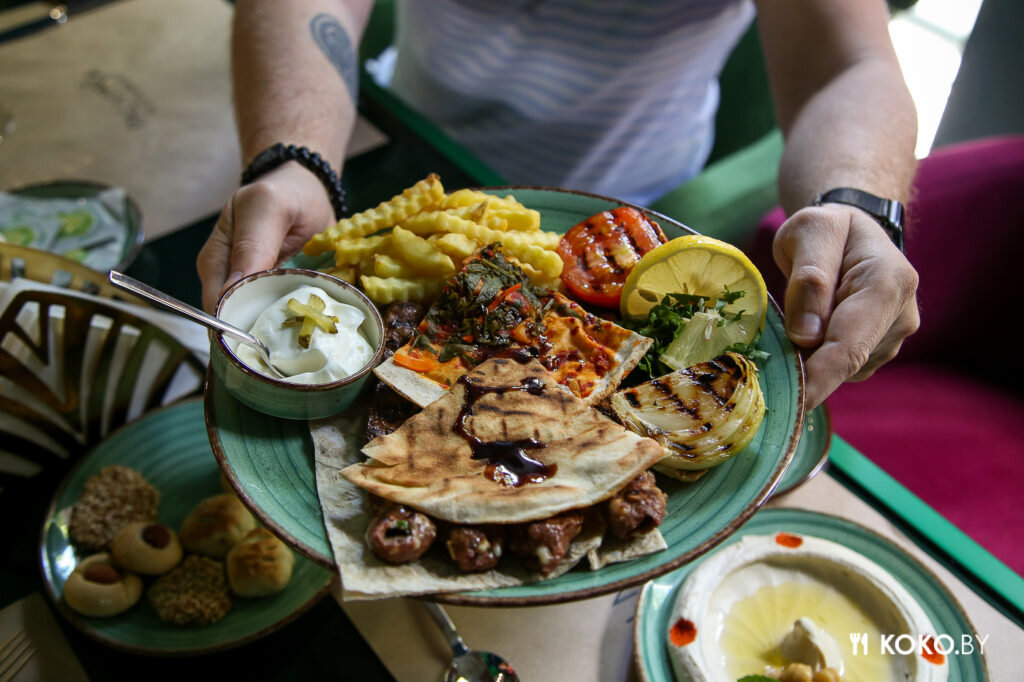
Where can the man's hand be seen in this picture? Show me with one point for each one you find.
(850, 298)
(262, 224)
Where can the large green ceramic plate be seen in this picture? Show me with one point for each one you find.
(170, 449)
(654, 608)
(270, 461)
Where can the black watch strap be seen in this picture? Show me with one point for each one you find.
(888, 212)
(279, 154)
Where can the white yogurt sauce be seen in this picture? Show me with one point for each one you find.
(330, 357)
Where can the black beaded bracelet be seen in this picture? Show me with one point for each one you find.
(272, 157)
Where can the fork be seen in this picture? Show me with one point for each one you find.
(14, 654)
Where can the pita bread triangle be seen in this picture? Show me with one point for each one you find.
(558, 453)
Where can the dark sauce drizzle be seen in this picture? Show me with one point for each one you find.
(507, 461)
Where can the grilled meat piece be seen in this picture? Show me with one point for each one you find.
(388, 411)
(400, 321)
(542, 544)
(400, 535)
(476, 548)
(636, 509)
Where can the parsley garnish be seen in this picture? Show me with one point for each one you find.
(666, 319)
(750, 349)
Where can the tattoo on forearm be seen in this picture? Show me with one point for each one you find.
(333, 41)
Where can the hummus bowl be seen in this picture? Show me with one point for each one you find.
(727, 615)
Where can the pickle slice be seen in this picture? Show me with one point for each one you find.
(309, 316)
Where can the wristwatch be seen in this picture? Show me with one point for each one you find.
(887, 212)
(279, 154)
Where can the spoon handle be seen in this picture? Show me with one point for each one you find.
(127, 283)
(440, 617)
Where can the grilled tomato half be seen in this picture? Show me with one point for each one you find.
(599, 252)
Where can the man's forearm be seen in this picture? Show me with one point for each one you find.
(859, 131)
(840, 99)
(295, 70)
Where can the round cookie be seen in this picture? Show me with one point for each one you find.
(147, 548)
(215, 525)
(111, 498)
(194, 593)
(97, 588)
(259, 565)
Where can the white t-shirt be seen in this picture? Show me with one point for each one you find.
(607, 96)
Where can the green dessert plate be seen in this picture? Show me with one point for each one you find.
(169, 448)
(270, 461)
(99, 226)
(654, 608)
(811, 452)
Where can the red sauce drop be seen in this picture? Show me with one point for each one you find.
(929, 652)
(683, 632)
(789, 540)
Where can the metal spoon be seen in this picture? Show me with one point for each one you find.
(467, 665)
(185, 310)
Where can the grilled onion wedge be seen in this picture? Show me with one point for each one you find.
(701, 415)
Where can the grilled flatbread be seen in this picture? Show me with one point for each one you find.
(426, 464)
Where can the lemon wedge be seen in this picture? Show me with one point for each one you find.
(706, 336)
(699, 266)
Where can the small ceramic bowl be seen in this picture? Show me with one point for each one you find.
(243, 303)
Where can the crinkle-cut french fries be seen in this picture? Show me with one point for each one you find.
(384, 290)
(420, 254)
(487, 217)
(355, 251)
(548, 262)
(429, 222)
(348, 273)
(424, 194)
(472, 197)
(518, 219)
(387, 266)
(407, 247)
(458, 246)
(535, 275)
(491, 211)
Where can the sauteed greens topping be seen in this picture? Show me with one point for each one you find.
(481, 306)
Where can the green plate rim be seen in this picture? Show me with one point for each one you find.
(819, 459)
(84, 624)
(492, 597)
(809, 514)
